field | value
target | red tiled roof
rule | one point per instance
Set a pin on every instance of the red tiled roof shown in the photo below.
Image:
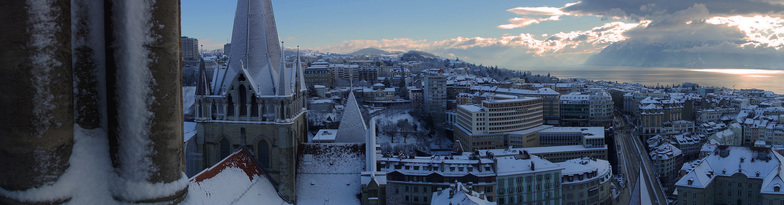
(240, 159)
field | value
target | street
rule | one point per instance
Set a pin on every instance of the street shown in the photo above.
(631, 153)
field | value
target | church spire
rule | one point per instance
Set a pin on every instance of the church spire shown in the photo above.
(202, 86)
(254, 42)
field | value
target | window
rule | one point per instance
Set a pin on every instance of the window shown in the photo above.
(225, 148)
(263, 153)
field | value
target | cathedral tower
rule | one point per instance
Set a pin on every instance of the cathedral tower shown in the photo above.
(256, 103)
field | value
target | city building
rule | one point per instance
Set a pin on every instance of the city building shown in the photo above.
(256, 103)
(345, 73)
(412, 180)
(499, 123)
(575, 109)
(527, 179)
(667, 160)
(586, 181)
(378, 94)
(689, 144)
(227, 49)
(190, 49)
(368, 74)
(417, 97)
(435, 93)
(550, 99)
(318, 73)
(734, 175)
(558, 144)
(600, 110)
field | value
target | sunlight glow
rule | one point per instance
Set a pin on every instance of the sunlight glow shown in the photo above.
(759, 30)
(749, 72)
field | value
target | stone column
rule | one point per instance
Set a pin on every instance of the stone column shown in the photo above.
(145, 82)
(247, 112)
(36, 95)
(225, 111)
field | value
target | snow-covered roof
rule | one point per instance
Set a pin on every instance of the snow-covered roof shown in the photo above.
(587, 132)
(325, 135)
(470, 108)
(461, 196)
(510, 165)
(665, 151)
(329, 173)
(352, 128)
(729, 160)
(189, 129)
(234, 180)
(586, 165)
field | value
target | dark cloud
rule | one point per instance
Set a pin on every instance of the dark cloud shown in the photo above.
(647, 9)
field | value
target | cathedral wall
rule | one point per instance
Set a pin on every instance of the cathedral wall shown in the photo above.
(282, 140)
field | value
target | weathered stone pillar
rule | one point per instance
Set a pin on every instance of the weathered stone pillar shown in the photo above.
(145, 81)
(36, 95)
(88, 49)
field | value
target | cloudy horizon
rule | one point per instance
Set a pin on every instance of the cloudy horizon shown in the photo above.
(533, 33)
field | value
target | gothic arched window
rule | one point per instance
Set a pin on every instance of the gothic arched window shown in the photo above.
(262, 153)
(254, 106)
(243, 99)
(225, 148)
(230, 103)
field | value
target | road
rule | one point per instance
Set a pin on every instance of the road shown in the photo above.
(631, 153)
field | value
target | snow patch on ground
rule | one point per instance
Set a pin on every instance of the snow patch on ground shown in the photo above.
(89, 178)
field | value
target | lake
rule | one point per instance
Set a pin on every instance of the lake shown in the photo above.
(772, 80)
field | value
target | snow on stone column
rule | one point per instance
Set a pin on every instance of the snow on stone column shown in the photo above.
(145, 83)
(36, 95)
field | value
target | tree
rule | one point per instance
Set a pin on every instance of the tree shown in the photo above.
(388, 129)
(312, 91)
(404, 127)
(402, 89)
(386, 83)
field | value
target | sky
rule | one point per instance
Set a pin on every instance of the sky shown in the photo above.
(513, 33)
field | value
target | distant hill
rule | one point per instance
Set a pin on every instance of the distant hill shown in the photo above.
(370, 52)
(682, 54)
(416, 56)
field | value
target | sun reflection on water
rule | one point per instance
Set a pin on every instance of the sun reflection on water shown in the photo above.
(749, 72)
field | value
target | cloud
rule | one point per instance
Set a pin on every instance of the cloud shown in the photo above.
(533, 15)
(519, 22)
(563, 48)
(647, 9)
(759, 31)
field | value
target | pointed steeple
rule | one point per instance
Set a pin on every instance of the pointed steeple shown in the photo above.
(283, 82)
(300, 73)
(254, 41)
(202, 86)
(352, 127)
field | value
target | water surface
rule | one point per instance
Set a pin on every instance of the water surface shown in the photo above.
(772, 80)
